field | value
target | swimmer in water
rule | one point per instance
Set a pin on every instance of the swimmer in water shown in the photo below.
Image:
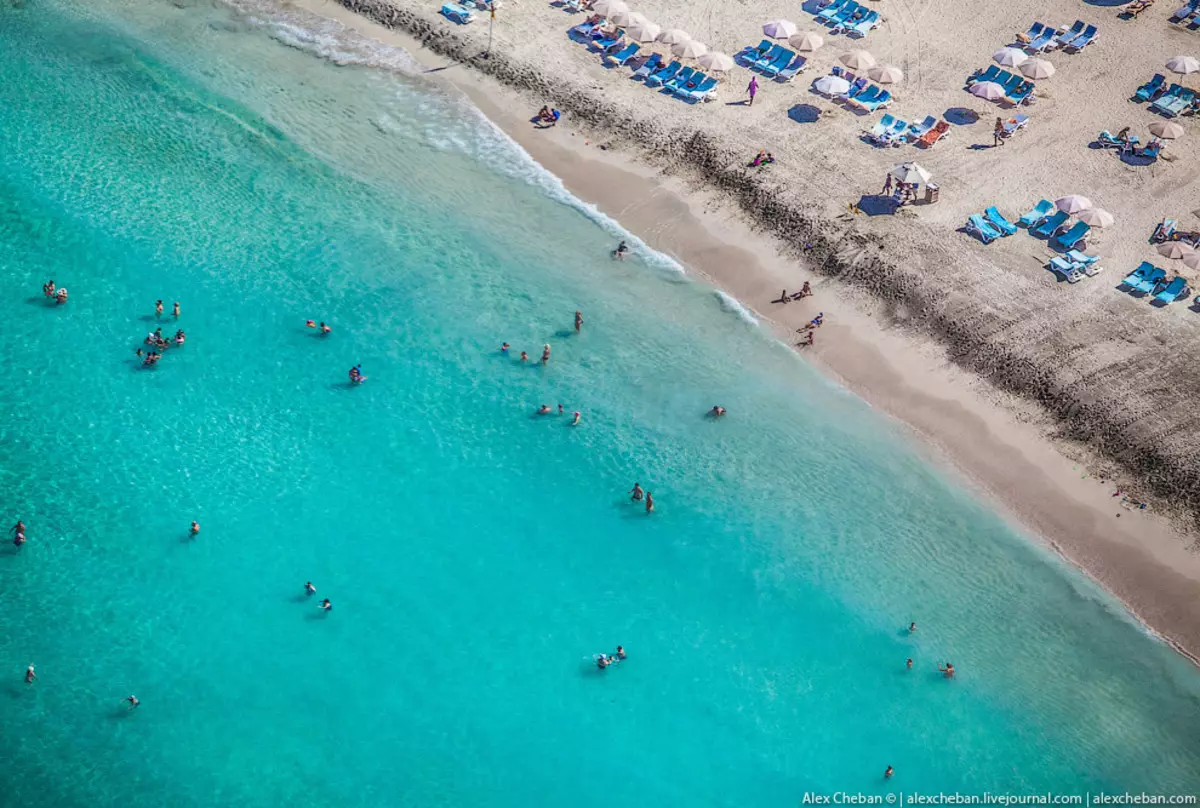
(621, 250)
(545, 410)
(636, 493)
(908, 663)
(912, 627)
(158, 308)
(947, 670)
(560, 409)
(716, 412)
(649, 502)
(326, 605)
(48, 289)
(194, 529)
(180, 337)
(133, 701)
(575, 420)
(524, 356)
(29, 675)
(175, 309)
(578, 321)
(19, 539)
(603, 661)
(545, 353)
(309, 589)
(504, 348)
(887, 775)
(325, 329)
(620, 652)
(356, 376)
(19, 527)
(61, 296)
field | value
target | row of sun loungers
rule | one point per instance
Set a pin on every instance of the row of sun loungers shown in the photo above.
(1018, 89)
(1151, 151)
(891, 131)
(862, 93)
(1041, 38)
(1188, 15)
(1176, 100)
(773, 60)
(849, 17)
(683, 82)
(1147, 280)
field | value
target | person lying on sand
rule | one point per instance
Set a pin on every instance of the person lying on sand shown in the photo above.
(805, 291)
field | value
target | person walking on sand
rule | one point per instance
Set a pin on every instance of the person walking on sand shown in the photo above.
(578, 321)
(998, 133)
(887, 185)
(29, 675)
(752, 89)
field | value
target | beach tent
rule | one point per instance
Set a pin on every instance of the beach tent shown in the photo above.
(1073, 203)
(989, 90)
(831, 85)
(1096, 217)
(886, 74)
(1010, 57)
(1167, 130)
(808, 41)
(1037, 69)
(779, 29)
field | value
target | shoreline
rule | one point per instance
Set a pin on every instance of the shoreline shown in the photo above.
(1000, 448)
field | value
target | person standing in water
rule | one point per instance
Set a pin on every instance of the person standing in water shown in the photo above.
(309, 589)
(649, 502)
(636, 493)
(575, 420)
(326, 605)
(194, 529)
(19, 527)
(947, 670)
(887, 775)
(175, 310)
(912, 627)
(545, 353)
(133, 701)
(908, 663)
(29, 675)
(622, 249)
(158, 308)
(578, 321)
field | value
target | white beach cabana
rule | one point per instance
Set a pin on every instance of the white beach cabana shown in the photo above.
(690, 49)
(858, 60)
(808, 41)
(988, 90)
(1037, 69)
(1010, 57)
(716, 62)
(1167, 130)
(1073, 203)
(1096, 217)
(910, 173)
(779, 29)
(831, 85)
(886, 74)
(1176, 249)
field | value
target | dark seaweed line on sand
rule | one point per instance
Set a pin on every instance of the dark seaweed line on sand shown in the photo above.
(1099, 410)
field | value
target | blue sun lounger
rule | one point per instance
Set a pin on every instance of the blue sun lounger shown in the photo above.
(1065, 268)
(687, 85)
(1039, 44)
(830, 11)
(700, 92)
(878, 102)
(668, 72)
(649, 66)
(1173, 291)
(1048, 227)
(998, 221)
(749, 54)
(978, 227)
(916, 130)
(679, 79)
(781, 60)
(1037, 214)
(1138, 275)
(623, 55)
(1082, 41)
(1182, 100)
(864, 26)
(1034, 31)
(1163, 101)
(459, 14)
(843, 14)
(1151, 89)
(1073, 236)
(1185, 12)
(1082, 259)
(989, 74)
(878, 133)
(791, 71)
(1066, 36)
(766, 58)
(605, 42)
(1150, 281)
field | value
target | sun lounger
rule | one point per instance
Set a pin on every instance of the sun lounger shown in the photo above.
(1062, 38)
(1033, 33)
(1014, 123)
(1048, 227)
(1138, 275)
(998, 221)
(1163, 101)
(878, 133)
(1152, 150)
(988, 74)
(790, 72)
(766, 58)
(459, 14)
(687, 85)
(878, 102)
(830, 11)
(978, 227)
(862, 92)
(1037, 214)
(1183, 13)
(857, 87)
(1083, 40)
(917, 130)
(584, 28)
(779, 63)
(896, 133)
(623, 55)
(1073, 236)
(1182, 100)
(864, 26)
(1163, 230)
(844, 13)
(1065, 268)
(1150, 281)
(605, 42)
(1021, 93)
(934, 135)
(701, 92)
(668, 72)
(679, 79)
(1172, 291)
(1150, 89)
(1039, 43)
(1009, 81)
(1086, 263)
(649, 66)
(749, 54)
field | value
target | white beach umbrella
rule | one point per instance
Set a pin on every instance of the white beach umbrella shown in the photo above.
(627, 17)
(674, 36)
(643, 32)
(1037, 69)
(1010, 57)
(779, 29)
(1167, 130)
(716, 62)
(808, 41)
(910, 172)
(690, 49)
(858, 60)
(609, 7)
(886, 74)
(831, 85)
(1183, 65)
(1176, 249)
(989, 90)
(1096, 217)
(1073, 203)
(1192, 260)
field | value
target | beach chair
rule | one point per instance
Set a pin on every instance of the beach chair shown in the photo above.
(1138, 275)
(791, 71)
(623, 55)
(1009, 81)
(584, 28)
(1150, 89)
(988, 74)
(782, 60)
(878, 102)
(606, 41)
(930, 138)
(897, 133)
(1082, 259)
(1083, 40)
(849, 17)
(864, 26)
(1150, 281)
(917, 130)
(1037, 215)
(868, 92)
(749, 54)
(679, 79)
(857, 86)
(766, 58)
(1048, 227)
(1174, 290)
(1065, 268)
(1163, 230)
(997, 220)
(1152, 150)
(1042, 40)
(1182, 100)
(1183, 13)
(1073, 236)
(1015, 123)
(1020, 94)
(668, 72)
(680, 88)
(456, 13)
(843, 14)
(978, 227)
(701, 92)
(649, 66)
(1063, 37)
(1032, 34)
(826, 14)
(878, 133)
(1164, 100)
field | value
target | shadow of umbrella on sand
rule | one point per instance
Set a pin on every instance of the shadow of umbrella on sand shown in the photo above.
(805, 113)
(960, 116)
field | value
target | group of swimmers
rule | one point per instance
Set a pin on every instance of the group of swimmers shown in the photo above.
(637, 494)
(58, 295)
(504, 348)
(947, 669)
(545, 410)
(356, 375)
(324, 328)
(159, 344)
(18, 532)
(158, 309)
(604, 660)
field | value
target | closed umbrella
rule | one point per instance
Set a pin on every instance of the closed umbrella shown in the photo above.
(989, 90)
(1168, 130)
(1192, 260)
(858, 60)
(808, 41)
(1010, 57)
(609, 7)
(717, 62)
(886, 74)
(779, 29)
(1183, 65)
(831, 85)
(689, 49)
(643, 31)
(1037, 69)
(910, 173)
(1073, 204)
(1096, 217)
(674, 36)
(1176, 249)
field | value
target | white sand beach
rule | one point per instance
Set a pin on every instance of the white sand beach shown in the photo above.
(1048, 395)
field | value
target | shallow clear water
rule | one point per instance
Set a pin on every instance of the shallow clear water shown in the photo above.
(477, 555)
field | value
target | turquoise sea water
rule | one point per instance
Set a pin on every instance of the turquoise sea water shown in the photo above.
(476, 555)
